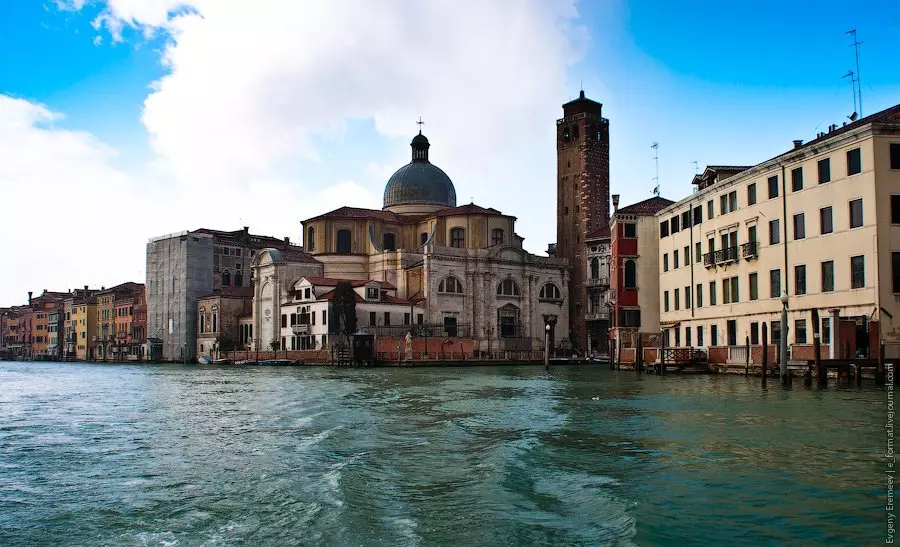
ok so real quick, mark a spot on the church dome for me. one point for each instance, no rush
(419, 182)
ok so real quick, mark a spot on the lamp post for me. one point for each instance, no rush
(783, 342)
(547, 347)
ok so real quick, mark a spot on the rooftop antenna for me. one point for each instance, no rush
(655, 147)
(420, 123)
(696, 167)
(852, 76)
(856, 43)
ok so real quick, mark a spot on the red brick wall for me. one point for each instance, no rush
(458, 348)
(718, 354)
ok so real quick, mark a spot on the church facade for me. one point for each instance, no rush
(463, 268)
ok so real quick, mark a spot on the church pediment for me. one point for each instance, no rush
(511, 254)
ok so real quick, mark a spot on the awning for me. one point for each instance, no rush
(669, 324)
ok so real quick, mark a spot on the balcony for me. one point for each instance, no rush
(597, 315)
(597, 282)
(709, 259)
(300, 329)
(750, 250)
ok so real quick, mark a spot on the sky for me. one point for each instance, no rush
(121, 120)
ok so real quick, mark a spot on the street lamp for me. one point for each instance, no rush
(547, 347)
(783, 342)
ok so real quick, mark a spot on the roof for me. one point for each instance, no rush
(470, 209)
(243, 237)
(123, 288)
(647, 207)
(386, 299)
(333, 282)
(291, 254)
(365, 214)
(889, 115)
(419, 181)
(600, 233)
(231, 292)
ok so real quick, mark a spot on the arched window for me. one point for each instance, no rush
(450, 284)
(214, 323)
(311, 239)
(458, 238)
(630, 274)
(550, 292)
(343, 242)
(595, 268)
(389, 242)
(226, 278)
(202, 323)
(497, 236)
(508, 287)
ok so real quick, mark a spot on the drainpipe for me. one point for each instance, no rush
(784, 299)
(693, 301)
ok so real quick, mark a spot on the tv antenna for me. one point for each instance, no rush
(655, 147)
(696, 167)
(856, 43)
(852, 76)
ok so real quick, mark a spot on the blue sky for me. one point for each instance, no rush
(270, 112)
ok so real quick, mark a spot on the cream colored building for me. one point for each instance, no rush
(819, 224)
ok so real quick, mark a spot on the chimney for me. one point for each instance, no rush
(287, 240)
(581, 94)
(798, 143)
(246, 229)
(85, 291)
(44, 293)
(102, 288)
(615, 198)
(29, 298)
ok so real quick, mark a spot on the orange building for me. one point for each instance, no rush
(115, 309)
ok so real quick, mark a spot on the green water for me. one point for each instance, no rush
(175, 455)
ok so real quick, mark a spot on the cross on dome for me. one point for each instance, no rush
(420, 123)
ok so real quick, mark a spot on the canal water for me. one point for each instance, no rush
(187, 455)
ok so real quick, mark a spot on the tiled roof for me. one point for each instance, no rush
(292, 254)
(333, 282)
(365, 214)
(359, 299)
(470, 209)
(599, 233)
(647, 207)
(123, 288)
(236, 237)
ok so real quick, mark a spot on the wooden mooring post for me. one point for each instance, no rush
(747, 365)
(765, 355)
(639, 356)
(662, 354)
(879, 372)
(821, 371)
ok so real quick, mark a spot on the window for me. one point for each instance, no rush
(774, 232)
(630, 274)
(723, 204)
(595, 268)
(824, 171)
(686, 219)
(751, 194)
(687, 255)
(732, 201)
(751, 234)
(343, 242)
(674, 223)
(895, 269)
(854, 162)
(631, 229)
(895, 155)
(497, 236)
(550, 292)
(450, 284)
(828, 276)
(307, 292)
(698, 295)
(423, 238)
(202, 324)
(800, 331)
(457, 238)
(238, 278)
(687, 336)
(420, 318)
(284, 320)
(630, 318)
(665, 262)
(826, 223)
(666, 301)
(857, 272)
(372, 293)
(699, 335)
(775, 338)
(677, 336)
(709, 210)
(895, 209)
(387, 318)
(712, 293)
(311, 239)
(389, 242)
(687, 297)
(508, 287)
(675, 258)
(800, 226)
(697, 254)
(324, 317)
(226, 278)
(698, 215)
(663, 229)
(774, 283)
(797, 179)
(856, 213)
(372, 320)
(826, 330)
(754, 286)
(773, 187)
(730, 294)
(800, 279)
(754, 334)
(714, 335)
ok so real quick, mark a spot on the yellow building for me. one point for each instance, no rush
(817, 227)
(80, 324)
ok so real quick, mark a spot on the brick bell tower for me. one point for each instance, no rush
(582, 197)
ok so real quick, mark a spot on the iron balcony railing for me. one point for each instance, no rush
(709, 259)
(597, 316)
(749, 250)
(602, 281)
(460, 330)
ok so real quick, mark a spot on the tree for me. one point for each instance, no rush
(343, 306)
(275, 345)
